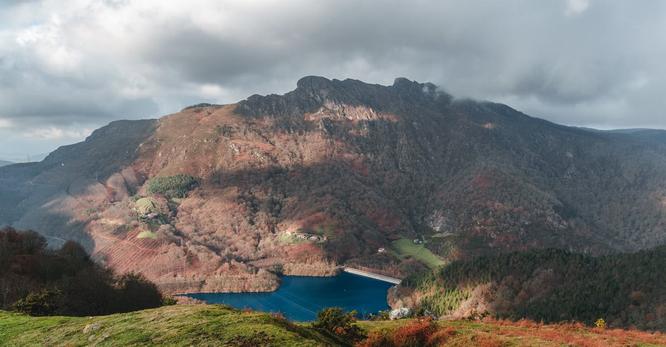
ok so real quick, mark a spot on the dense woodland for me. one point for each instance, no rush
(626, 290)
(39, 281)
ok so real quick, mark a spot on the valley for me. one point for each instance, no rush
(395, 180)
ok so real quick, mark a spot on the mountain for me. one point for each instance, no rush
(330, 173)
(5, 163)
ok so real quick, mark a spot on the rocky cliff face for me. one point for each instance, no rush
(329, 173)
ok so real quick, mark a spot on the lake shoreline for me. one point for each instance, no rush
(339, 270)
(299, 298)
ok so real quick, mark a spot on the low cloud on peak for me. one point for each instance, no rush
(80, 64)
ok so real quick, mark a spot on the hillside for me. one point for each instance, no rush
(5, 163)
(626, 290)
(204, 325)
(329, 173)
(179, 325)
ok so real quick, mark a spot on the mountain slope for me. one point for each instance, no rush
(329, 173)
(626, 290)
(5, 163)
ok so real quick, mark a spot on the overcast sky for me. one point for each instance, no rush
(67, 67)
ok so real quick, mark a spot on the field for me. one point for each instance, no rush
(405, 248)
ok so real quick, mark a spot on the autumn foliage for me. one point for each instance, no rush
(422, 332)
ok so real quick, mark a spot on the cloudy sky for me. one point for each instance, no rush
(70, 66)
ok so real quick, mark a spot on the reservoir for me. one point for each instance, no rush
(300, 298)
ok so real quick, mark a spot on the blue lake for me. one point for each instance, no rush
(300, 298)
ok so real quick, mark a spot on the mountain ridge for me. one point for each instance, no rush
(329, 173)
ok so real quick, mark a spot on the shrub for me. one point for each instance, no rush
(172, 186)
(41, 303)
(418, 333)
(146, 206)
(600, 323)
(423, 332)
(169, 301)
(335, 321)
(136, 293)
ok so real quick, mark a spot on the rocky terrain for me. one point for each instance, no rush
(352, 166)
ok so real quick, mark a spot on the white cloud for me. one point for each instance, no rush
(576, 7)
(56, 133)
(211, 90)
(48, 43)
(5, 123)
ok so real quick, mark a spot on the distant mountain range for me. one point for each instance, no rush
(339, 172)
(4, 162)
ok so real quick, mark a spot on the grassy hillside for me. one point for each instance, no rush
(207, 325)
(180, 325)
(407, 248)
(501, 333)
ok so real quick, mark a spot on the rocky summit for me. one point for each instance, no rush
(387, 178)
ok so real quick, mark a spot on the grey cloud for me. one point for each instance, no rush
(598, 66)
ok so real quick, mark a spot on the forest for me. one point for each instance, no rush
(37, 280)
(625, 290)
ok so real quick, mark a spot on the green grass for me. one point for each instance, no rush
(179, 325)
(405, 247)
(146, 234)
(287, 239)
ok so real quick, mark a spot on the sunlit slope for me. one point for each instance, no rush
(181, 325)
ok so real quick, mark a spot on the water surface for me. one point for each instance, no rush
(300, 298)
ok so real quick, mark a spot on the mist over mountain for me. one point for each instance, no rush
(328, 174)
(5, 163)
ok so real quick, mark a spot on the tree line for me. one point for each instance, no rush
(40, 281)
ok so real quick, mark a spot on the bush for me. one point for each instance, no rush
(335, 321)
(41, 303)
(146, 206)
(169, 301)
(423, 332)
(136, 293)
(172, 186)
